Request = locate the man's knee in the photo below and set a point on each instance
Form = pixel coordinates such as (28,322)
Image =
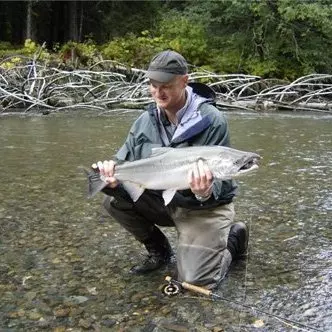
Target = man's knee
(112,204)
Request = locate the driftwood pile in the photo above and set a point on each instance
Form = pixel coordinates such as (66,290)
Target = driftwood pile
(31,85)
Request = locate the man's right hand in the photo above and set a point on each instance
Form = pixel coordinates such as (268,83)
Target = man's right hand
(106,169)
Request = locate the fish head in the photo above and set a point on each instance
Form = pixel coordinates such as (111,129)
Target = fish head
(232,163)
(247,163)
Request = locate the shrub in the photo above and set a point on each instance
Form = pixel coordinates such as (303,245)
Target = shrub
(132,50)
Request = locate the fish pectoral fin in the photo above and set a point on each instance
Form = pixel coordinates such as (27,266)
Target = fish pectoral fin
(168,195)
(133,189)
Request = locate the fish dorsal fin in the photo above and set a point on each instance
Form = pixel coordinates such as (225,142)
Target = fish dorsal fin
(159,151)
(134,190)
(168,195)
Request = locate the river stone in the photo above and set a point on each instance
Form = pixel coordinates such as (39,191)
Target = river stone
(60,329)
(217,329)
(16,314)
(4,268)
(30,295)
(309,312)
(43,323)
(108,322)
(34,315)
(85,322)
(75,299)
(62,312)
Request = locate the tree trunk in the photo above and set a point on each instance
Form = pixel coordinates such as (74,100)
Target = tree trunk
(29,21)
(73,31)
(80,30)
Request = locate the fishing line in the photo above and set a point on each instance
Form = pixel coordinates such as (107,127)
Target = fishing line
(174,288)
(247,259)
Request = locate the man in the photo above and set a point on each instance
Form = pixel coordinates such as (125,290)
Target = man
(181,116)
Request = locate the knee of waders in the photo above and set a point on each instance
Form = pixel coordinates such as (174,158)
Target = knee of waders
(112,204)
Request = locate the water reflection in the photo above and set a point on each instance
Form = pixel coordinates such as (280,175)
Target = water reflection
(64,264)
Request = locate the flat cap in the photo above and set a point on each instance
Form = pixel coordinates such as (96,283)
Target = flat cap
(166,65)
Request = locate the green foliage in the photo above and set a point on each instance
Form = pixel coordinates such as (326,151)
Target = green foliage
(5,46)
(269,38)
(11,62)
(6,49)
(226,61)
(307,28)
(30,47)
(284,38)
(79,53)
(185,36)
(30,50)
(265,68)
(134,50)
(174,32)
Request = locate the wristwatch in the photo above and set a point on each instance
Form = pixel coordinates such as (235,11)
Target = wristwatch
(202,198)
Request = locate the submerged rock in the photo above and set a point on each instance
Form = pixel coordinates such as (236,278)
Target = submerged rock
(75,299)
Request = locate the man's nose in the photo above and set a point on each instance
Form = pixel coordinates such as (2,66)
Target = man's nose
(159,90)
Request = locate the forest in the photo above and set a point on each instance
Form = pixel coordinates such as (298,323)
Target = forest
(282,39)
(261,54)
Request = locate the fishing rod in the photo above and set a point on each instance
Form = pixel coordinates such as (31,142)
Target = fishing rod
(174,287)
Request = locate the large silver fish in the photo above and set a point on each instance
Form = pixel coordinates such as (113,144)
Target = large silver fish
(167,169)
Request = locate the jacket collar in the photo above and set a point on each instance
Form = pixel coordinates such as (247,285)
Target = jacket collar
(190,119)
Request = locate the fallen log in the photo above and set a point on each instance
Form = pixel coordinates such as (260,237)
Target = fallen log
(35,86)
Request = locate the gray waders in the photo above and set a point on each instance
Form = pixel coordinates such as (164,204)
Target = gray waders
(202,255)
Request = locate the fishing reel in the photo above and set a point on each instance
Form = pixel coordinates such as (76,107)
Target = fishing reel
(171,289)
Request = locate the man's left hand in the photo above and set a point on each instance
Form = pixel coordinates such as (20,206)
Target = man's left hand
(200,180)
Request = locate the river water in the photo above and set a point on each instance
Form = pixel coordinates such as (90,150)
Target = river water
(64,263)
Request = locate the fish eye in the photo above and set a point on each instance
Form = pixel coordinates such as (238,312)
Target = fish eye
(239,161)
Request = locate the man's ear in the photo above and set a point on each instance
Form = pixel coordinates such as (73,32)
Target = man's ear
(185,79)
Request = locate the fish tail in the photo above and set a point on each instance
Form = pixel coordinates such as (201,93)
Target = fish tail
(95,183)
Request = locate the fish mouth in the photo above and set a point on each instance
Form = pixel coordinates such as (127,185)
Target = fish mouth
(250,165)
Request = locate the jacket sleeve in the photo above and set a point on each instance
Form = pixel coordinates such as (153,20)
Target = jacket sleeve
(126,152)
(142,138)
(218,133)
(136,146)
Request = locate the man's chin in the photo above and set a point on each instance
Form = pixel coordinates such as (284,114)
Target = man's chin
(162,104)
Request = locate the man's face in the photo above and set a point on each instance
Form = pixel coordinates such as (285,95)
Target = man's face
(170,95)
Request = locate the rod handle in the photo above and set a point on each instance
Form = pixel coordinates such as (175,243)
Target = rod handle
(194,288)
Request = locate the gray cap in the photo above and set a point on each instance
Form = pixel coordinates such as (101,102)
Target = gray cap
(165,65)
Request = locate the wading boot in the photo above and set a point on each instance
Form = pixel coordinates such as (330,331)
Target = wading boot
(238,238)
(159,253)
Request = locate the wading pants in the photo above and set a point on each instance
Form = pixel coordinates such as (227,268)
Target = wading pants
(202,254)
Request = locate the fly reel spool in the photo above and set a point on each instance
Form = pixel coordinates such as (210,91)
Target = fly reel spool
(171,289)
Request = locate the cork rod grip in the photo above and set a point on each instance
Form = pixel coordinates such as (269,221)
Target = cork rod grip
(196,289)
(191,287)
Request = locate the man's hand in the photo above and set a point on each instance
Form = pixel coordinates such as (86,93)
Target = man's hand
(200,180)
(106,169)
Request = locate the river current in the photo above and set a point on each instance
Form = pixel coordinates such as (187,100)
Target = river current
(64,263)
